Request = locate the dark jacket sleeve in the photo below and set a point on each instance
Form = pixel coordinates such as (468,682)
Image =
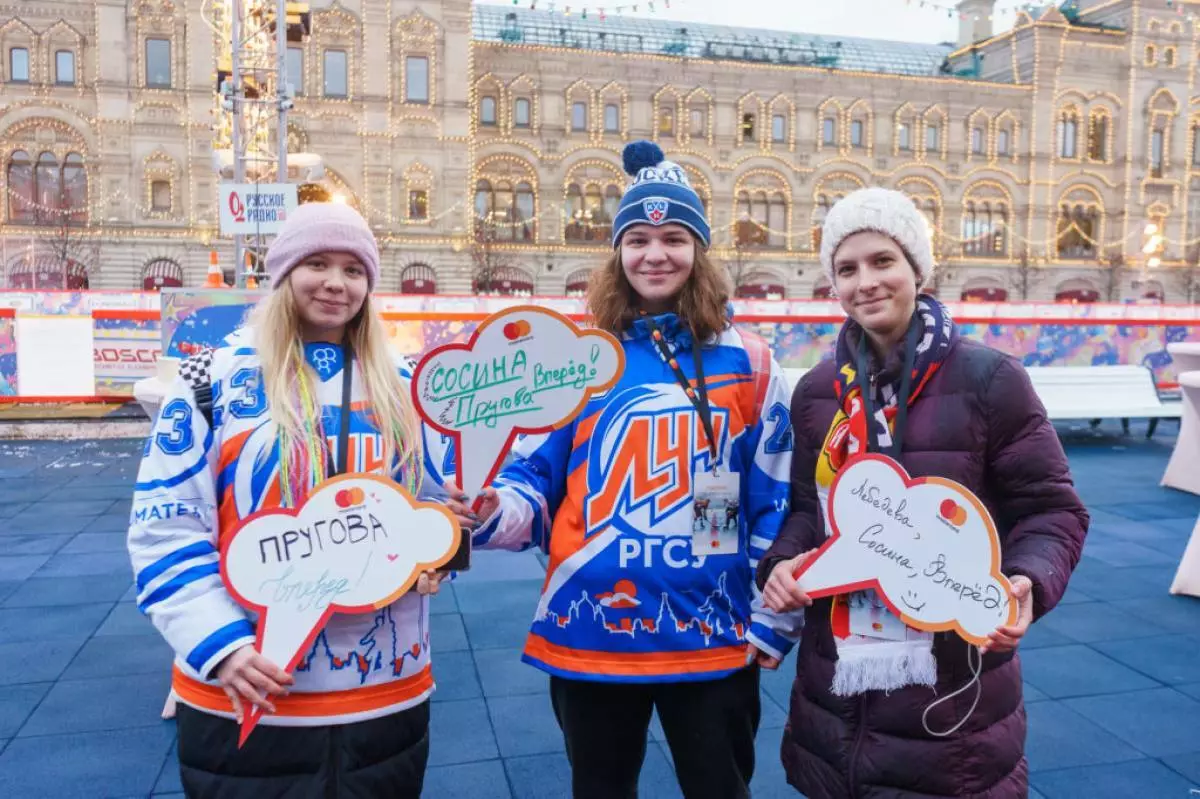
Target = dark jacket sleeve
(802,529)
(1030,484)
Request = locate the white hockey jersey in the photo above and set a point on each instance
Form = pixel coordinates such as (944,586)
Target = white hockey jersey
(197,482)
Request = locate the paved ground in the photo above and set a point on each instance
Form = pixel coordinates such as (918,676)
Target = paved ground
(1113,675)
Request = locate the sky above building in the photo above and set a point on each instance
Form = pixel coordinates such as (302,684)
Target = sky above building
(899,20)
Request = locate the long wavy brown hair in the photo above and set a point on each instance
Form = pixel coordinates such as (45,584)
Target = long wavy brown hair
(701,304)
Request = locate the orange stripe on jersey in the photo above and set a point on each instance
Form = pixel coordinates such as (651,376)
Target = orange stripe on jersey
(584,428)
(588,661)
(231,449)
(314,705)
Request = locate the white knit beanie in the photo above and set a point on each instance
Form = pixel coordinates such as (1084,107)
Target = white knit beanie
(884,211)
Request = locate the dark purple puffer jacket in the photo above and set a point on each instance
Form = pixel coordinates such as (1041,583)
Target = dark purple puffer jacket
(979,422)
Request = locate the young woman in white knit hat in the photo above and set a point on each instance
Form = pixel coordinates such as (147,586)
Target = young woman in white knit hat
(307,388)
(655,505)
(879,708)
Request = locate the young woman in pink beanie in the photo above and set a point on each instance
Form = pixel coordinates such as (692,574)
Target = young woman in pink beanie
(306,389)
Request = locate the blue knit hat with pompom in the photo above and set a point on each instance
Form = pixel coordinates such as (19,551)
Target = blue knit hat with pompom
(660,194)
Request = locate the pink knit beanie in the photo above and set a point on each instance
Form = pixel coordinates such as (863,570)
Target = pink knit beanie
(322,227)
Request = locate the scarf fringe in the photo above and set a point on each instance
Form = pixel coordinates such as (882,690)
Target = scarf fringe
(884,667)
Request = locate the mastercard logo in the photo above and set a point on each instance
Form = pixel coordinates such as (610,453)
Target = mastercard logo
(348,497)
(953,512)
(516,330)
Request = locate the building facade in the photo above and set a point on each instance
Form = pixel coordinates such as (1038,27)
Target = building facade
(1054,159)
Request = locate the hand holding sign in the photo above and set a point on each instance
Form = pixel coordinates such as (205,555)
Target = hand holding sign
(525,370)
(357,543)
(928,546)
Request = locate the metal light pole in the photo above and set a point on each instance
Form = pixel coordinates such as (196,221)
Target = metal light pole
(239,157)
(281,87)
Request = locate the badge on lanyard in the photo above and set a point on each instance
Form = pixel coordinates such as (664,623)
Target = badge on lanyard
(870,617)
(716,491)
(716,512)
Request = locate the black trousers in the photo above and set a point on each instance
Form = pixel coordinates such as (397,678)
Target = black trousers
(710,729)
(383,757)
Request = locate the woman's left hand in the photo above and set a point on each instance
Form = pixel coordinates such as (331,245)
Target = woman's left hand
(428,582)
(1006,639)
(756,655)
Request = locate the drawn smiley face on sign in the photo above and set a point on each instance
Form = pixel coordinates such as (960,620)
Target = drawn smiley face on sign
(927,546)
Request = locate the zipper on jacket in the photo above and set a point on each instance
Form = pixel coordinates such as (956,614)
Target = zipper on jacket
(852,770)
(333,787)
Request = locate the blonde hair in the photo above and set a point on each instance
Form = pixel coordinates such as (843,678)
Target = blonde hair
(702,303)
(295,409)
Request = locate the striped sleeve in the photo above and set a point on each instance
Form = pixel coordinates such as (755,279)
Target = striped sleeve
(765,495)
(531,486)
(173,539)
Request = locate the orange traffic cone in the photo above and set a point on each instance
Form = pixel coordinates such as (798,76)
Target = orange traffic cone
(214,279)
(251,283)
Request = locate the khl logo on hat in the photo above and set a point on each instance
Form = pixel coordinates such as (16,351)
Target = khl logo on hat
(656,209)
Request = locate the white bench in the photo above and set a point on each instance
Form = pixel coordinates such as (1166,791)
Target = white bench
(1102,392)
(793,376)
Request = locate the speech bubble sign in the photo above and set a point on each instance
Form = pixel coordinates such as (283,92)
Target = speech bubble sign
(928,546)
(356,544)
(526,369)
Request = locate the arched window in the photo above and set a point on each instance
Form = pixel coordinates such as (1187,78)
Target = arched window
(162,273)
(820,211)
(1098,124)
(777,221)
(49,186)
(45,193)
(49,273)
(503,210)
(985,223)
(74,189)
(592,198)
(985,290)
(521,112)
(596,213)
(576,229)
(508,281)
(418,279)
(760,286)
(1068,133)
(525,213)
(1078,230)
(20,188)
(487,110)
(577,282)
(484,203)
(1076,291)
(761,211)
(823,290)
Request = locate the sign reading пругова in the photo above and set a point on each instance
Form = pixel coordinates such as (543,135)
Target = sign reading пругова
(525,370)
(357,544)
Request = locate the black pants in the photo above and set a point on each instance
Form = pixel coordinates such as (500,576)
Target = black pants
(710,729)
(383,757)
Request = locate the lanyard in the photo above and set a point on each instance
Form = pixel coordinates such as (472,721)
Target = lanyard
(864,390)
(699,396)
(343,448)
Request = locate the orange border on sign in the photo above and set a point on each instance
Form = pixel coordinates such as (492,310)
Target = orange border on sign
(498,318)
(909,482)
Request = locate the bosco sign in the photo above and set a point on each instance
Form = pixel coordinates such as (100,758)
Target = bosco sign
(357,544)
(124,351)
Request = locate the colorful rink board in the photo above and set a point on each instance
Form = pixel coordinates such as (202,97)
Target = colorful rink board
(799,332)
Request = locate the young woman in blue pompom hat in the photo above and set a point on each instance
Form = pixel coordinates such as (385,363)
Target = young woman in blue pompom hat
(655,506)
